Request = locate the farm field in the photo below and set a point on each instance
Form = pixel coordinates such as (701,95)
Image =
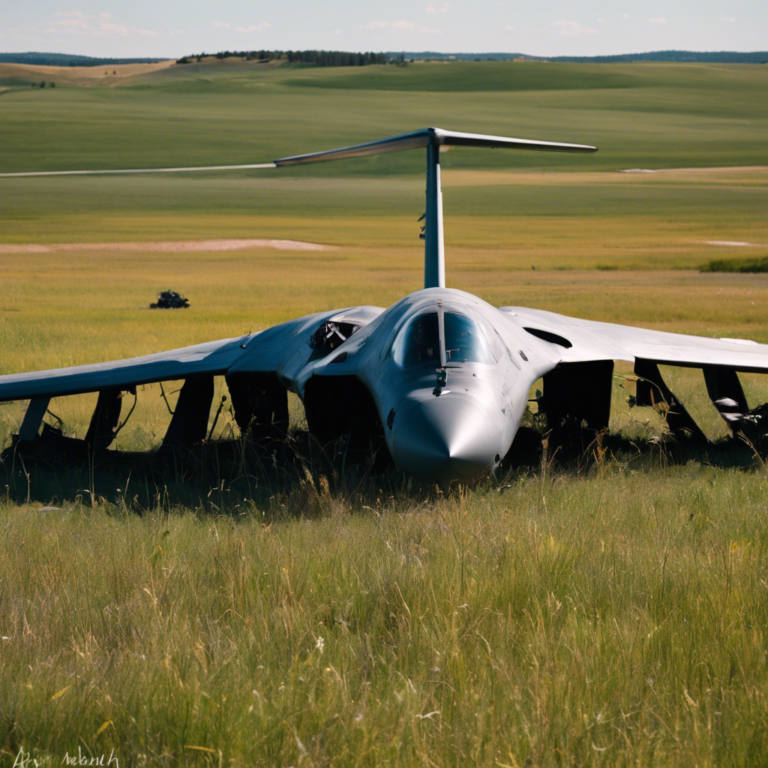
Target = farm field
(604,610)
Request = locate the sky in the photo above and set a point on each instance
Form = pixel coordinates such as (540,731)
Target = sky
(545,28)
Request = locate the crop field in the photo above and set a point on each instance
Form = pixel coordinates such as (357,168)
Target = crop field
(608,608)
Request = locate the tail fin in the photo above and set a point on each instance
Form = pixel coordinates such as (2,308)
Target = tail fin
(432,139)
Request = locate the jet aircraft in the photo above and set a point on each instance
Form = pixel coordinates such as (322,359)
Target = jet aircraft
(441,377)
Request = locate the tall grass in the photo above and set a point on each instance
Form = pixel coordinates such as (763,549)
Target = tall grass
(614,619)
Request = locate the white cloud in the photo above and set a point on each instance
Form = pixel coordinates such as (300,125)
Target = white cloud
(729,19)
(337,32)
(406,25)
(509,28)
(253,28)
(403,26)
(93,25)
(601,21)
(444,8)
(571,28)
(657,20)
(242,30)
(626,15)
(14,32)
(176,33)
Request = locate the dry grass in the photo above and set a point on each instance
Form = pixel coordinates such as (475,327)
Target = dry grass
(106,75)
(610,619)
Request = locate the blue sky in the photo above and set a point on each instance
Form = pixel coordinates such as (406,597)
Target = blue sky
(546,27)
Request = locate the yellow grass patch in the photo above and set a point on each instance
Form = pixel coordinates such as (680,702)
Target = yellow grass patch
(108,74)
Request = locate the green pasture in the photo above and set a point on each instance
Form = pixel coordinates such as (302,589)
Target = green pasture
(642,115)
(608,609)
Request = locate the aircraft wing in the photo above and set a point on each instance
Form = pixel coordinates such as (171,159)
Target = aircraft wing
(268,351)
(588,340)
(215,357)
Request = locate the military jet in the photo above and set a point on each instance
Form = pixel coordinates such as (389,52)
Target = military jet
(441,377)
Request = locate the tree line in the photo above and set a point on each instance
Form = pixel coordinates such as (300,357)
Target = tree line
(722,57)
(67,60)
(313,58)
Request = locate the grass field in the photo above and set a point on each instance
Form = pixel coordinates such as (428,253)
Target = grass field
(609,610)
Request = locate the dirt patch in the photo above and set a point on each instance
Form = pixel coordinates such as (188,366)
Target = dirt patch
(733,243)
(175,246)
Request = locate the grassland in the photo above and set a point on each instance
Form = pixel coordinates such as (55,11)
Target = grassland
(609,611)
(597,620)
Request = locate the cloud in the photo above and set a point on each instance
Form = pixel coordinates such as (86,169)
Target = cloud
(409,26)
(337,32)
(657,20)
(12,32)
(93,25)
(571,28)
(509,28)
(176,33)
(403,26)
(729,19)
(242,30)
(601,21)
(253,28)
(444,8)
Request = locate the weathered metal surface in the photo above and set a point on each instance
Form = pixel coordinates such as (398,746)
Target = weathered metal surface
(189,424)
(653,391)
(105,419)
(33,418)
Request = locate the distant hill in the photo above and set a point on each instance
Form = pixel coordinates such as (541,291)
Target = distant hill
(67,60)
(722,57)
(340,58)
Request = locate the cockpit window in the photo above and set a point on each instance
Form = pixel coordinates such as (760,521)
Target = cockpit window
(464,341)
(418,343)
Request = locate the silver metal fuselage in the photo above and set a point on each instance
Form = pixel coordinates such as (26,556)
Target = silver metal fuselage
(444,419)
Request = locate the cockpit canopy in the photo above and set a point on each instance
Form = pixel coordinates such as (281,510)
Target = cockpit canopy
(433,339)
(418,343)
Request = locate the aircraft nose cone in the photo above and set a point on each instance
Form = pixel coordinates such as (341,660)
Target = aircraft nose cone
(446,438)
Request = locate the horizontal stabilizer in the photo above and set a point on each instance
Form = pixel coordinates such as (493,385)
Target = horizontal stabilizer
(139,170)
(422,138)
(434,136)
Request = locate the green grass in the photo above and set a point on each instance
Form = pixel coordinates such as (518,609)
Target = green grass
(653,116)
(754,265)
(609,611)
(617,618)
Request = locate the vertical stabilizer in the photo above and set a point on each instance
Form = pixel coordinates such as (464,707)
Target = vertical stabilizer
(434,246)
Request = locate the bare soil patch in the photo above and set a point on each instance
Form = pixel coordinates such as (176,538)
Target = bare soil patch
(733,243)
(168,246)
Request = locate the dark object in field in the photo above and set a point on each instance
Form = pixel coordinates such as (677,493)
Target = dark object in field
(170,300)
